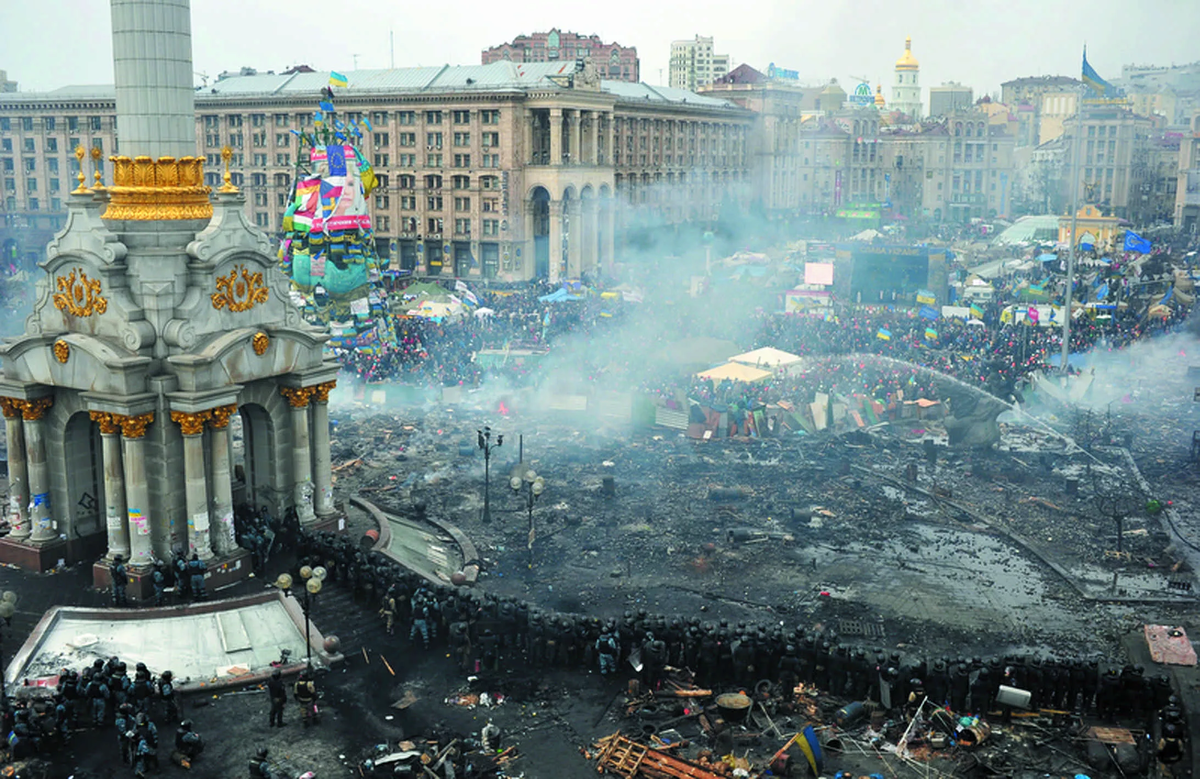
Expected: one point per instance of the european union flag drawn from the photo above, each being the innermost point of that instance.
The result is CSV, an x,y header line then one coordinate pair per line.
x,y
1093,80
928,312
1136,243
326,106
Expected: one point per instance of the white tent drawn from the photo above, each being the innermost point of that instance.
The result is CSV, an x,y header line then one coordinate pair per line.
x,y
767,357
735,372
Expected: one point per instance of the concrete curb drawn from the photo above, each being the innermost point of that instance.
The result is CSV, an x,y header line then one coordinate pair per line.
x,y
465,546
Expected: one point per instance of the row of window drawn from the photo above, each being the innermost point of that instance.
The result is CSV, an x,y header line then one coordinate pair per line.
x,y
377,118
51,123
490,205
33,204
29,145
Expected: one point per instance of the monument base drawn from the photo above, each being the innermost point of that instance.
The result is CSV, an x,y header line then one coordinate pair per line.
x,y
222,571
335,522
33,556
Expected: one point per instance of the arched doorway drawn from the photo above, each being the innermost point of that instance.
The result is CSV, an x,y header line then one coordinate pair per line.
x,y
257,453
84,460
540,209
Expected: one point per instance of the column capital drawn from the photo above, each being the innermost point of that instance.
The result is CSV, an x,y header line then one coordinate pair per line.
x,y
33,410
556,112
297,397
134,426
219,419
321,391
108,425
189,423
11,408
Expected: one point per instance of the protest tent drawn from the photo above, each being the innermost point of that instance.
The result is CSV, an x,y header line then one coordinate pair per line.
x,y
559,296
433,309
735,371
767,357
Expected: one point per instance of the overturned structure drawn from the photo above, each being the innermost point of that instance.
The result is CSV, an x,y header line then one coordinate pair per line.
x,y
160,316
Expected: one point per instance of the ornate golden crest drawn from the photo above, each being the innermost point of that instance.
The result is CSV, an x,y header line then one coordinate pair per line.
x,y
260,342
240,291
78,295
61,351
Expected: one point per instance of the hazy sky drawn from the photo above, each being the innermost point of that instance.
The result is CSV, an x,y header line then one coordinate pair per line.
x,y
976,42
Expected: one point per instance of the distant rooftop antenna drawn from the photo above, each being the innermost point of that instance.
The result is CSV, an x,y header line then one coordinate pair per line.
x,y
203,76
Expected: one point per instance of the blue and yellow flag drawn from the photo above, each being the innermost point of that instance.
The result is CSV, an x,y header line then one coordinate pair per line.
x,y
931,334
1093,80
976,311
338,80
884,334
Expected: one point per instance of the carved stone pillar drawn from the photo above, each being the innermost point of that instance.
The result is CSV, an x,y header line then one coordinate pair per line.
x,y
556,137
195,480
114,485
576,235
18,477
323,475
224,536
576,135
137,492
527,136
594,152
297,398
556,240
33,412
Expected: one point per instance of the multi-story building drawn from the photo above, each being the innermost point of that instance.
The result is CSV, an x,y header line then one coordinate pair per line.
x,y
906,90
501,171
614,61
694,65
1175,89
948,98
1024,97
1187,191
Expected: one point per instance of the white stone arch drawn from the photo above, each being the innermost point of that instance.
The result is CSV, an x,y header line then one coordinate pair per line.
x,y
267,438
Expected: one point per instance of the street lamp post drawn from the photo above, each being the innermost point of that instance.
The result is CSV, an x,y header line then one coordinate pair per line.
x,y
485,443
533,486
8,607
313,580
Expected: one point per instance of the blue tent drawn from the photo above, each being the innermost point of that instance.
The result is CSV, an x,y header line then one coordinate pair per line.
x,y
558,296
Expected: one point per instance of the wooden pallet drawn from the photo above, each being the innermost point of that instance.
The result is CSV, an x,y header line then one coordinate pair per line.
x,y
623,757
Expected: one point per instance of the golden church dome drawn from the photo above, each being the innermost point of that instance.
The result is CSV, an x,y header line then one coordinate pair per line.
x,y
908,61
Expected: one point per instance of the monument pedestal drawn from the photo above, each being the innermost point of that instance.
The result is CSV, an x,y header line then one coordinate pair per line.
x,y
221,572
40,556
335,522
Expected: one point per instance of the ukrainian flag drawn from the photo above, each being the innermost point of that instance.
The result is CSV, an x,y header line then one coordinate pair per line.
x,y
1093,80
884,334
976,311
931,334
338,80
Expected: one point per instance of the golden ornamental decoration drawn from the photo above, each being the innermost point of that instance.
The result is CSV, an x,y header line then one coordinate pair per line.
x,y
82,189
96,155
79,295
260,342
11,408
297,397
62,351
227,187
220,416
33,410
191,424
108,425
135,426
240,291
321,391
145,189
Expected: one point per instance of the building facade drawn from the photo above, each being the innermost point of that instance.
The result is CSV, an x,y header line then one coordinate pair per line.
x,y
949,98
694,65
1024,97
612,60
1187,191
482,169
906,89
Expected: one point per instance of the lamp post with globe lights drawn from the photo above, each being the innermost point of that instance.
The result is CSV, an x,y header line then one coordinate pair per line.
x,y
313,579
485,443
8,607
533,486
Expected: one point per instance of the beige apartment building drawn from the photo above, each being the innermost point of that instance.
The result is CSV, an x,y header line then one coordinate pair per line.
x,y
508,171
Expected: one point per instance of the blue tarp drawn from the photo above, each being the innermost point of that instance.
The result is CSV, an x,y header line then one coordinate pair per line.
x,y
1047,257
558,296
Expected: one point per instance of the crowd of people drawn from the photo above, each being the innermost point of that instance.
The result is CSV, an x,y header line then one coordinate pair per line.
x,y
489,634
103,696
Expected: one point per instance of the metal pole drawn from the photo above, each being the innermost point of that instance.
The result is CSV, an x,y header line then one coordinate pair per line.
x,y
487,481
307,622
1066,337
521,452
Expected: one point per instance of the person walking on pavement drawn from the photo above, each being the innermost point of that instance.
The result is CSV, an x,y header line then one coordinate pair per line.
x,y
305,692
120,579
278,695
388,610
166,690
159,580
197,569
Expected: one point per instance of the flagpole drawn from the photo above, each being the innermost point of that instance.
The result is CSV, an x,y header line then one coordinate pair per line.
x,y
1066,336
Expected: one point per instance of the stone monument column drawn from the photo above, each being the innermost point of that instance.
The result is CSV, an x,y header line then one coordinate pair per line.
x,y
18,477
34,414
298,398
195,480
224,538
114,485
137,492
322,476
